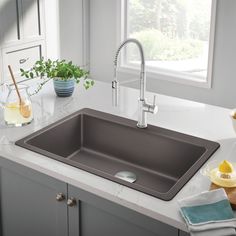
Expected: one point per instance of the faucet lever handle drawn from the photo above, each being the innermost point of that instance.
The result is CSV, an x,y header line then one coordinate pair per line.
x,y
154,100
153,108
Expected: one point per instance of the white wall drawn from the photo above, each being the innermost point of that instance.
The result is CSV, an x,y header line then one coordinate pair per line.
x,y
102,38
64,31
52,29
103,43
71,30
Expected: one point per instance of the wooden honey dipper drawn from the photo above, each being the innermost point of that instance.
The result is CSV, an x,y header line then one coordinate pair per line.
x,y
25,110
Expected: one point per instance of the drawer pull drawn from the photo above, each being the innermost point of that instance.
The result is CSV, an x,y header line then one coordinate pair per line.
x,y
71,202
23,60
60,197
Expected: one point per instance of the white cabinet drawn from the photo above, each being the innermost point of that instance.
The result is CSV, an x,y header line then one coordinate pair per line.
x,y
21,56
32,13
22,37
9,22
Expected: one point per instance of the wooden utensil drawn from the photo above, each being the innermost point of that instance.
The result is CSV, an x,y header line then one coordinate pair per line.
x,y
25,110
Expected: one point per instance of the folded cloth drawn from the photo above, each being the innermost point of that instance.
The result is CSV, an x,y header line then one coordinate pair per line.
x,y
214,232
208,213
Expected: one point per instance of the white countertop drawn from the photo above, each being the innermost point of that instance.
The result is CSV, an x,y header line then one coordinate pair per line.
x,y
205,121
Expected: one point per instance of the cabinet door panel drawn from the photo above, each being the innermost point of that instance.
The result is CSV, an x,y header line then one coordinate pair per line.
x,y
181,233
95,221
31,15
93,215
29,205
9,18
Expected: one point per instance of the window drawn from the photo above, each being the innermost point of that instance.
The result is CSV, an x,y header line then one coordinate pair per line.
x,y
177,36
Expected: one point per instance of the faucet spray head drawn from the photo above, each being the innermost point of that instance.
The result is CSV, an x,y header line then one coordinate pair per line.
x,y
115,93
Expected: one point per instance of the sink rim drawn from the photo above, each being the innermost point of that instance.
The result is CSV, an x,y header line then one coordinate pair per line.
x,y
210,148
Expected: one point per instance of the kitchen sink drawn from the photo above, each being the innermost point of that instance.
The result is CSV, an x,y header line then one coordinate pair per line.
x,y
156,161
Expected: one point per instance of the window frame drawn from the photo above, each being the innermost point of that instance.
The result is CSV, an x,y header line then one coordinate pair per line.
x,y
160,73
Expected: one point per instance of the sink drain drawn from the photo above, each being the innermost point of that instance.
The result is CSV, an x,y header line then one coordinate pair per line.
x,y
126,176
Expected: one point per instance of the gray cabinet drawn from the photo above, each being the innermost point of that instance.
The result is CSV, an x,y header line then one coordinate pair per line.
x,y
32,204
28,203
90,215
181,233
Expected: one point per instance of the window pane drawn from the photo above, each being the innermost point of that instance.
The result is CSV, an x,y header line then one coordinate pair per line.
x,y
174,33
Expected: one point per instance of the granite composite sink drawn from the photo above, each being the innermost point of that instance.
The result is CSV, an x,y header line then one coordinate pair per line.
x,y
160,161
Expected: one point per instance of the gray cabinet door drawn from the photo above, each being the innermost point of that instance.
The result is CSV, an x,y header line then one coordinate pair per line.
x,y
181,233
28,203
92,215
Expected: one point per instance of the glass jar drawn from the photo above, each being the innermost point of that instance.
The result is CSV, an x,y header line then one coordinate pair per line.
x,y
14,109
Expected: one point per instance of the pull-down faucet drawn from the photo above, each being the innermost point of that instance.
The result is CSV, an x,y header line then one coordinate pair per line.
x,y
143,105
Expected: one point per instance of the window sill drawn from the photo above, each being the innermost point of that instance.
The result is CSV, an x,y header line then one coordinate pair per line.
x,y
169,76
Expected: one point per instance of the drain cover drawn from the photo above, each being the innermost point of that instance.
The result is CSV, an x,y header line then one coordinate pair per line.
x,y
126,176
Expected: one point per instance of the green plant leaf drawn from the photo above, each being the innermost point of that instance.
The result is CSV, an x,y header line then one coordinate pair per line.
x,y
49,69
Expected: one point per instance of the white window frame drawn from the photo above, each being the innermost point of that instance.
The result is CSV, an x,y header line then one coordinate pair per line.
x,y
159,73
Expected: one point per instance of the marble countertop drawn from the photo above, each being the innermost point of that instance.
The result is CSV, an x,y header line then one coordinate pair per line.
x,y
197,119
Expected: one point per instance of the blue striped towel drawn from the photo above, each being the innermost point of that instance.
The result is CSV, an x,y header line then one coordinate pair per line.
x,y
208,213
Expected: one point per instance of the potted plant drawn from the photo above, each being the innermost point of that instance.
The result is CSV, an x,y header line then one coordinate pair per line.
x,y
64,74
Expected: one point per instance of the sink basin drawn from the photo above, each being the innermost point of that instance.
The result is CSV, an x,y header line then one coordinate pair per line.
x,y
155,161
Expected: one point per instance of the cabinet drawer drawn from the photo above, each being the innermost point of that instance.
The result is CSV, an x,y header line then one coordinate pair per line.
x,y
20,58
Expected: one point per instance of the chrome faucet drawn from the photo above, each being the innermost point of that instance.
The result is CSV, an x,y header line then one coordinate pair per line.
x,y
143,106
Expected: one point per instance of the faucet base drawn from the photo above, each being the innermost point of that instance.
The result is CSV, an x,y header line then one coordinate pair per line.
x,y
143,108
142,115
141,126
